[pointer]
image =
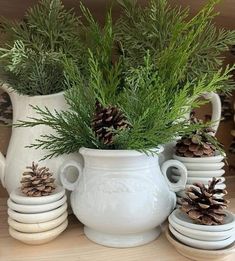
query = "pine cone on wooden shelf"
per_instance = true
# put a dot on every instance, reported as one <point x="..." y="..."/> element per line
<point x="107" y="121"/>
<point x="37" y="181"/>
<point x="197" y="143"/>
<point x="203" y="204"/>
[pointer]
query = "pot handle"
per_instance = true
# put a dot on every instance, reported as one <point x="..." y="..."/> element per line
<point x="180" y="185"/>
<point x="6" y="89"/>
<point x="63" y="174"/>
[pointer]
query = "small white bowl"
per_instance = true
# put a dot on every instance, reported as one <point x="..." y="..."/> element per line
<point x="37" y="227"/>
<point x="209" y="245"/>
<point x="38" y="238"/>
<point x="199" y="254"/>
<point x="36" y="208"/>
<point x="182" y="219"/>
<point x="201" y="235"/>
<point x="204" y="166"/>
<point x="202" y="174"/>
<point x="18" y="197"/>
<point x="192" y="180"/>
<point x="214" y="159"/>
<point x="38" y="217"/>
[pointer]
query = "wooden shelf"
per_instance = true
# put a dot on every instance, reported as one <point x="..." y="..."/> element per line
<point x="72" y="245"/>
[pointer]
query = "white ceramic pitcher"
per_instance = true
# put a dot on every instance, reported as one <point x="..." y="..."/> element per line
<point x="18" y="156"/>
<point x="122" y="196"/>
<point x="215" y="118"/>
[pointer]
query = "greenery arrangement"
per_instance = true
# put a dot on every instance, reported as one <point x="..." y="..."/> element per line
<point x="119" y="106"/>
<point x="167" y="31"/>
<point x="31" y="58"/>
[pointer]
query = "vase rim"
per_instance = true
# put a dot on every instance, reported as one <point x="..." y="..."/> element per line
<point x="10" y="90"/>
<point x="116" y="153"/>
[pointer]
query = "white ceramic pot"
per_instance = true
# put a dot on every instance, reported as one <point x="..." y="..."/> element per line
<point x="215" y="118"/>
<point x="122" y="196"/>
<point x="18" y="156"/>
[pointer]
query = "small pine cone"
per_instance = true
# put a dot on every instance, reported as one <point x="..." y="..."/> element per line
<point x="194" y="147"/>
<point x="203" y="205"/>
<point x="37" y="181"/>
<point x="107" y="121"/>
<point x="196" y="144"/>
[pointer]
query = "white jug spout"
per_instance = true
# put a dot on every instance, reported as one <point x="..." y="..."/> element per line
<point x="6" y="88"/>
<point x="2" y="168"/>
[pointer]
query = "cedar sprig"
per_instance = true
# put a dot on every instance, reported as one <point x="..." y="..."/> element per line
<point x="31" y="56"/>
<point x="167" y="31"/>
<point x="143" y="101"/>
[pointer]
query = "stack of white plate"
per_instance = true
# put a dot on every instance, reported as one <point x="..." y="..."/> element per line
<point x="201" y="170"/>
<point x="202" y="236"/>
<point x="37" y="220"/>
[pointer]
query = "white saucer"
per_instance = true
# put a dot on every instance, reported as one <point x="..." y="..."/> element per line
<point x="36" y="208"/>
<point x="201" y="235"/>
<point x="214" y="159"/>
<point x="204" y="166"/>
<point x="202" y="174"/>
<point x="209" y="245"/>
<point x="38" y="238"/>
<point x="192" y="180"/>
<point x="18" y="197"/>
<point x="38" y="217"/>
<point x="37" y="227"/>
<point x="182" y="219"/>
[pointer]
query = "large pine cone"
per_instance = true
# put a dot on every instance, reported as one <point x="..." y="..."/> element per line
<point x="37" y="181"/>
<point x="107" y="121"/>
<point x="204" y="205"/>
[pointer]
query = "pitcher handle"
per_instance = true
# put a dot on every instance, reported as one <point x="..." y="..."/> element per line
<point x="8" y="90"/>
<point x="216" y="109"/>
<point x="180" y="185"/>
<point x="63" y="174"/>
